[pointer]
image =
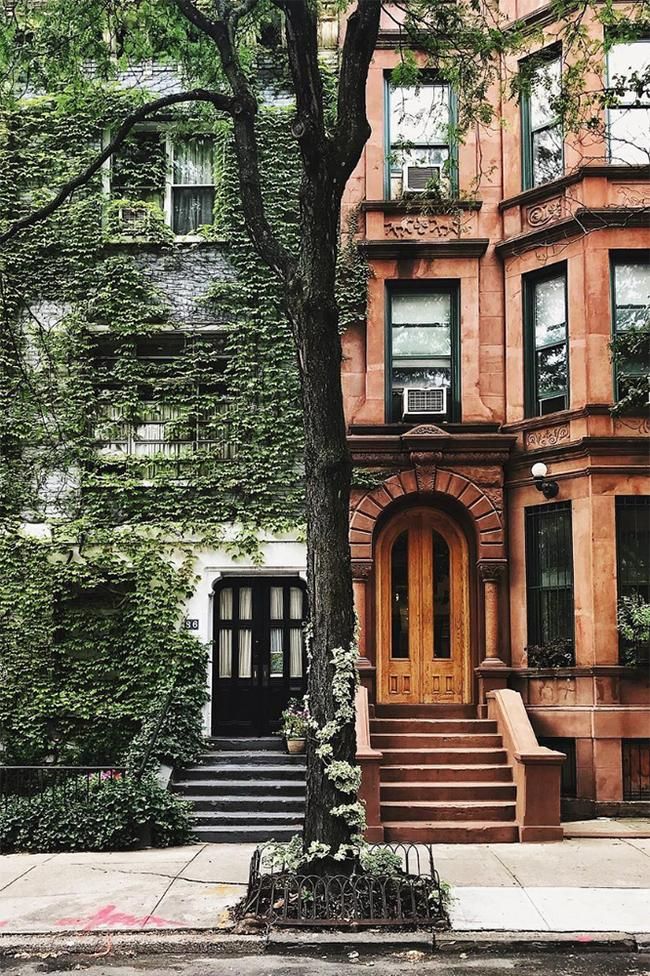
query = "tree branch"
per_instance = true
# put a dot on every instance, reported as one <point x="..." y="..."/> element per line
<point x="352" y="128"/>
<point x="221" y="102"/>
<point x="244" y="111"/>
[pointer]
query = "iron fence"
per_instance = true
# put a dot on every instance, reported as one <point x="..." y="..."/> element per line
<point x="70" y="783"/>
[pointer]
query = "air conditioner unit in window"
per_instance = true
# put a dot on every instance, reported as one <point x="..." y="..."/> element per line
<point x="420" y="401"/>
<point x="133" y="220"/>
<point x="419" y="177"/>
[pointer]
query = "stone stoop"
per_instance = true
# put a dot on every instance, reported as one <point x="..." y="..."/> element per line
<point x="444" y="780"/>
<point x="244" y="790"/>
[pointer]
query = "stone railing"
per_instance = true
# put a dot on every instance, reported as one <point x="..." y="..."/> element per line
<point x="369" y="760"/>
<point x="536" y="769"/>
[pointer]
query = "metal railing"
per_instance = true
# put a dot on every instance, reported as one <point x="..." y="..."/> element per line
<point x="70" y="783"/>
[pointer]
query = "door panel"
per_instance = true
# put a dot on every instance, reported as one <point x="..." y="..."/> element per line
<point x="423" y="610"/>
<point x="259" y="655"/>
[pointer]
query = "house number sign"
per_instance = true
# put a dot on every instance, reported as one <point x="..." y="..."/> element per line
<point x="191" y="623"/>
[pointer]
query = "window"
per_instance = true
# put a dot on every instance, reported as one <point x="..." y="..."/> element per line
<point x="420" y="155"/>
<point x="629" y="122"/>
<point x="631" y="305"/>
<point x="176" y="176"/>
<point x="542" y="138"/>
<point x="192" y="184"/>
<point x="545" y="342"/>
<point x="636" y="769"/>
<point x="423" y="371"/>
<point x="633" y="565"/>
<point x="162" y="395"/>
<point x="549" y="580"/>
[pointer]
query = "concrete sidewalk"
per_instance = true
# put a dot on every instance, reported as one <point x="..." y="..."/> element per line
<point x="579" y="885"/>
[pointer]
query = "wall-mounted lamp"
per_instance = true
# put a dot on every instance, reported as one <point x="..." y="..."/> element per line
<point x="549" y="489"/>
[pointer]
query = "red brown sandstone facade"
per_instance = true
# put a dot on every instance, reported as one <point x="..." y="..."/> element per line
<point x="498" y="315"/>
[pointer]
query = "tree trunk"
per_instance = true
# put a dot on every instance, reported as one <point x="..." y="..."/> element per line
<point x="313" y="311"/>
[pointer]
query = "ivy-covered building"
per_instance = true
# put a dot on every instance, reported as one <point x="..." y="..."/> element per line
<point x="151" y="444"/>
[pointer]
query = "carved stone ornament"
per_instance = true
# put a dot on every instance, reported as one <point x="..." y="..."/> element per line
<point x="548" y="437"/>
<point x="634" y="196"/>
<point x="492" y="571"/>
<point x="639" y="424"/>
<point x="426" y="430"/>
<point x="543" y="213"/>
<point x="408" y="228"/>
<point x="361" y="569"/>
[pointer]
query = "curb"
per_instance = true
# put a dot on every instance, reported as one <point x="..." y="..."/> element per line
<point x="206" y="941"/>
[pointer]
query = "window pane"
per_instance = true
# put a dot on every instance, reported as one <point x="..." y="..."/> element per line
<point x="551" y="371"/>
<point x="629" y="136"/>
<point x="295" y="603"/>
<point x="625" y="60"/>
<point x="295" y="653"/>
<point x="425" y="378"/>
<point x="277" y="603"/>
<point x="419" y="114"/>
<point x="441" y="598"/>
<point x="399" y="597"/>
<point x="633" y="542"/>
<point x="225" y="653"/>
<point x="277" y="652"/>
<point x="545" y="89"/>
<point x="245" y="603"/>
<point x="225" y="604"/>
<point x="549" y="573"/>
<point x="550" y="311"/>
<point x="421" y="308"/>
<point x="420" y="341"/>
<point x="193" y="162"/>
<point x="548" y="163"/>
<point x="192" y="209"/>
<point x="245" y="653"/>
<point x="632" y="290"/>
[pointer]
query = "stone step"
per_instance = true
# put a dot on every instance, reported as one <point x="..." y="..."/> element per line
<point x="450" y="832"/>
<point x="453" y="726"/>
<point x="273" y="743"/>
<point x="441" y="757"/>
<point x="244" y="818"/>
<point x="407" y="712"/>
<point x="411" y="741"/>
<point x="246" y="771"/>
<point x="433" y="792"/>
<point x="288" y="805"/>
<point x="251" y="758"/>
<point x="208" y="834"/>
<point x="446" y="810"/>
<point x="242" y="787"/>
<point x="457" y="772"/>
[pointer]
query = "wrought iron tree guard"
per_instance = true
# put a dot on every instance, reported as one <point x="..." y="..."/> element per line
<point x="410" y="897"/>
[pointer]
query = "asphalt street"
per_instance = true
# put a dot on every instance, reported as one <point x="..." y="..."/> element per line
<point x="472" y="963"/>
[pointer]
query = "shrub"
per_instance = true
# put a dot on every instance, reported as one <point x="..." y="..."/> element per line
<point x="112" y="816"/>
<point x="553" y="654"/>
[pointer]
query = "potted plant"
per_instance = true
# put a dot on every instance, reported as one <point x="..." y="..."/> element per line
<point x="294" y="725"/>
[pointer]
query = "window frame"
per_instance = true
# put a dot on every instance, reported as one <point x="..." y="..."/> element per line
<point x="544" y="56"/>
<point x="621" y="258"/>
<point x="644" y="38"/>
<point x="427" y="78"/>
<point x="170" y="186"/>
<point x="530" y="282"/>
<point x="449" y="286"/>
<point x="534" y="627"/>
<point x="625" y="587"/>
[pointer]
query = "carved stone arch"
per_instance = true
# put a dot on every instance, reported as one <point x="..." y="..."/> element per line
<point x="417" y="483"/>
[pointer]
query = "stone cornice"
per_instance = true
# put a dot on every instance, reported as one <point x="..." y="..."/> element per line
<point x="536" y="194"/>
<point x="400" y="250"/>
<point x="584" y="219"/>
<point x="398" y="449"/>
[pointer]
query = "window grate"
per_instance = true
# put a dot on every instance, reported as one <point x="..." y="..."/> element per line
<point x="633" y="564"/>
<point x="636" y="769"/>
<point x="549" y="575"/>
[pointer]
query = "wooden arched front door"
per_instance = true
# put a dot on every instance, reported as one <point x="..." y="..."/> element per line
<point x="423" y="627"/>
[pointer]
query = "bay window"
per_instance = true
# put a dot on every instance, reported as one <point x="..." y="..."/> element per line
<point x="628" y="122"/>
<point x="545" y="342"/>
<point x="631" y="313"/>
<point x="542" y="136"/>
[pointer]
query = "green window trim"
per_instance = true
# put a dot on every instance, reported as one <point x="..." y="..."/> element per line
<point x="449" y="287"/>
<point x="618" y="259"/>
<point x="531" y="347"/>
<point x="528" y="132"/>
<point x="633" y="566"/>
<point x="451" y="145"/>
<point x="549" y="576"/>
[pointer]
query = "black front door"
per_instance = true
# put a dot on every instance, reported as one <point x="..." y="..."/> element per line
<point x="258" y="658"/>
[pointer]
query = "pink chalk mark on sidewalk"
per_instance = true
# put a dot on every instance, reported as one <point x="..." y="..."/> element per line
<point x="109" y="917"/>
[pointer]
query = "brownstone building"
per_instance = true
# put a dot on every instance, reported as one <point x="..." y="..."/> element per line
<point x="486" y="351"/>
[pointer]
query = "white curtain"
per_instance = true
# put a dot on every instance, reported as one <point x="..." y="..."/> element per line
<point x="245" y="603"/>
<point x="225" y="604"/>
<point x="295" y="603"/>
<point x="225" y="654"/>
<point x="295" y="652"/>
<point x="245" y="653"/>
<point x="277" y="603"/>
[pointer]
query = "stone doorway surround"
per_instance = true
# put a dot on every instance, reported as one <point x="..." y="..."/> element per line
<point x="464" y="473"/>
